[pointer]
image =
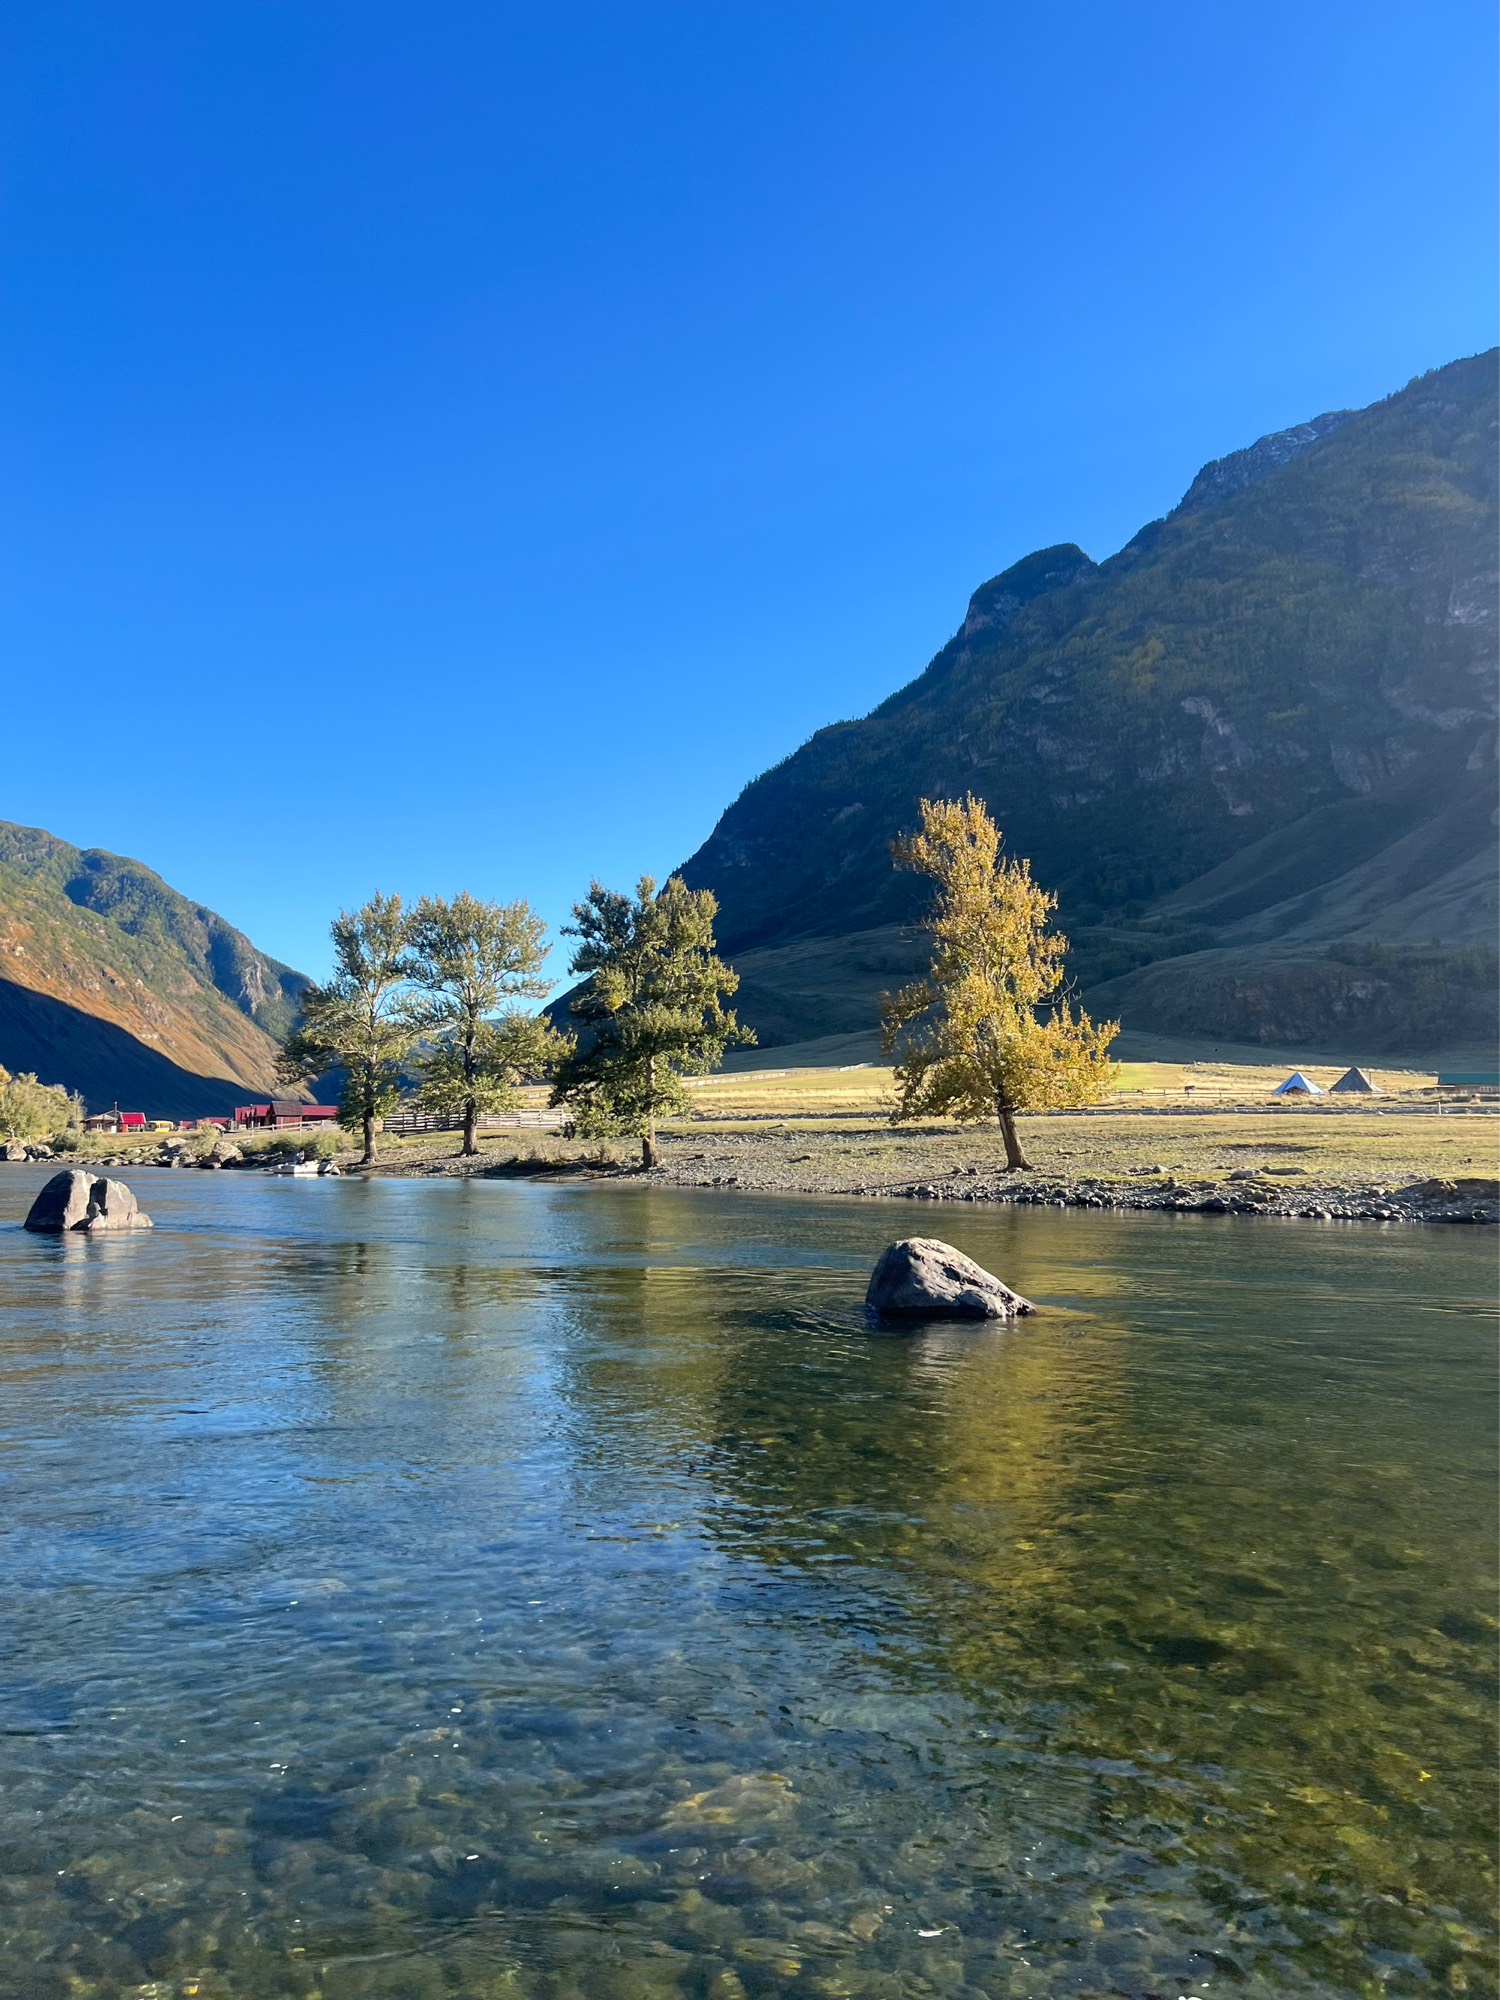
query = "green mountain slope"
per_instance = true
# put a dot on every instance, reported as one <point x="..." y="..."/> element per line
<point x="115" y="985"/>
<point x="1254" y="752"/>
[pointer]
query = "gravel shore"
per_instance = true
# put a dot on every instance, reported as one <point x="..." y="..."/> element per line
<point x="1245" y="1191"/>
<point x="1312" y="1167"/>
<point x="760" y="1164"/>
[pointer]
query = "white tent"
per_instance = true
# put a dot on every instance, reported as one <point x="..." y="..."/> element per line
<point x="1356" y="1079"/>
<point x="1298" y="1085"/>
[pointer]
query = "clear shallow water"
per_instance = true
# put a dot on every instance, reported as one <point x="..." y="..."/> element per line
<point x="414" y="1589"/>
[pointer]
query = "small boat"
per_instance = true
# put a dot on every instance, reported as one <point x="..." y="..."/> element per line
<point x="303" y="1169"/>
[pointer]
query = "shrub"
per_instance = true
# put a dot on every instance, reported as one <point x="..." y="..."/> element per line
<point x="29" y="1109"/>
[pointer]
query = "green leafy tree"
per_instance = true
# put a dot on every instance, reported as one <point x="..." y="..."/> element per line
<point x="32" y="1110"/>
<point x="970" y="1041"/>
<point x="362" y="1021"/>
<point x="479" y="962"/>
<point x="652" y="1008"/>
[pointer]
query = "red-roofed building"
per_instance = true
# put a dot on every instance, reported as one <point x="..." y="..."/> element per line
<point x="282" y="1114"/>
<point x="116" y="1121"/>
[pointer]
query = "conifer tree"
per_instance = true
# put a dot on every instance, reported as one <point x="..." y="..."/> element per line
<point x="479" y="961"/>
<point x="651" y="1011"/>
<point x="361" y="1021"/>
<point x="970" y="1041"/>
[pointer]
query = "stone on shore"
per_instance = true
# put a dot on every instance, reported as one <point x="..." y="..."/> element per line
<point x="921" y="1278"/>
<point x="78" y="1200"/>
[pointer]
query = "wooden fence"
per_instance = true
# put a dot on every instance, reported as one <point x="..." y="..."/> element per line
<point x="500" y="1121"/>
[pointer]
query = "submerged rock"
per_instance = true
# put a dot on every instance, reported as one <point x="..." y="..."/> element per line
<point x="921" y="1278"/>
<point x="78" y="1200"/>
<point x="747" y="1799"/>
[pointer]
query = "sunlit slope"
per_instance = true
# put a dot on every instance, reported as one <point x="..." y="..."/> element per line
<point x="1254" y="752"/>
<point x="115" y="985"/>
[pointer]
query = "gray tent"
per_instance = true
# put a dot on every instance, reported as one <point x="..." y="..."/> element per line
<point x="1356" y="1079"/>
<point x="1298" y="1085"/>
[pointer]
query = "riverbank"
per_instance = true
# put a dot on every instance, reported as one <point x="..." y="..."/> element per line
<point x="1309" y="1163"/>
<point x="1398" y="1158"/>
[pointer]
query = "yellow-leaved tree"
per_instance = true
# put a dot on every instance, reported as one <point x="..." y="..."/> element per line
<point x="989" y="1032"/>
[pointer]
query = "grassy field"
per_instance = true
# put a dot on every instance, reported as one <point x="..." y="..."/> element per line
<point x="832" y="1145"/>
<point x="826" y="1130"/>
<point x="1189" y="1146"/>
<point x="866" y="1088"/>
<point x="1194" y="1121"/>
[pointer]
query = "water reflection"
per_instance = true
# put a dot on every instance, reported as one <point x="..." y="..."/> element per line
<point x="499" y="1590"/>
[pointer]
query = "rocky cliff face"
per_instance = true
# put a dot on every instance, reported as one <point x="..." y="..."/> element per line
<point x="111" y="982"/>
<point x="1291" y="678"/>
<point x="1222" y="477"/>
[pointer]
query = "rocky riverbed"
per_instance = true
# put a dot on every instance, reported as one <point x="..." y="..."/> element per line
<point x="1080" y="1164"/>
<point x="1328" y="1168"/>
<point x="1243" y="1192"/>
<point x="1432" y="1200"/>
<point x="1470" y="1199"/>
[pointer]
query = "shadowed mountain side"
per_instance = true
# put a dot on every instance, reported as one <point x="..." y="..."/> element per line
<point x="1267" y="721"/>
<point x="825" y="986"/>
<point x="1412" y="863"/>
<point x="1366" y="923"/>
<point x="1421" y="1008"/>
<point x="62" y="1044"/>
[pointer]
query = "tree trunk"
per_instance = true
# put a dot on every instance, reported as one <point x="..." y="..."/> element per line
<point x="1015" y="1159"/>
<point x="369" y="1153"/>
<point x="648" y="1130"/>
<point x="471" y="1066"/>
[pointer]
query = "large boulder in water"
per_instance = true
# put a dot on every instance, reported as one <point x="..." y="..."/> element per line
<point x="924" y="1279"/>
<point x="63" y="1203"/>
<point x="113" y="1206"/>
<point x="77" y="1200"/>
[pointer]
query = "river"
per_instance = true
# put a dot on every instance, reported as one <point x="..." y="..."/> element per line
<point x="419" y="1589"/>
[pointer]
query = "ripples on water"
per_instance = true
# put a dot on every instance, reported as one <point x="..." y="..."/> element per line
<point x="424" y="1590"/>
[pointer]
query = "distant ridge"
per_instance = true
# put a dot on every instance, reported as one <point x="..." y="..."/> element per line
<point x="113" y="984"/>
<point x="1222" y="477"/>
<point x="1254" y="752"/>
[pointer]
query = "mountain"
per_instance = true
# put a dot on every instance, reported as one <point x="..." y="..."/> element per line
<point x="1254" y="753"/>
<point x="118" y="987"/>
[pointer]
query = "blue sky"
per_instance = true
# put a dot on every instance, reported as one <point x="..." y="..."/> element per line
<point x="459" y="446"/>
